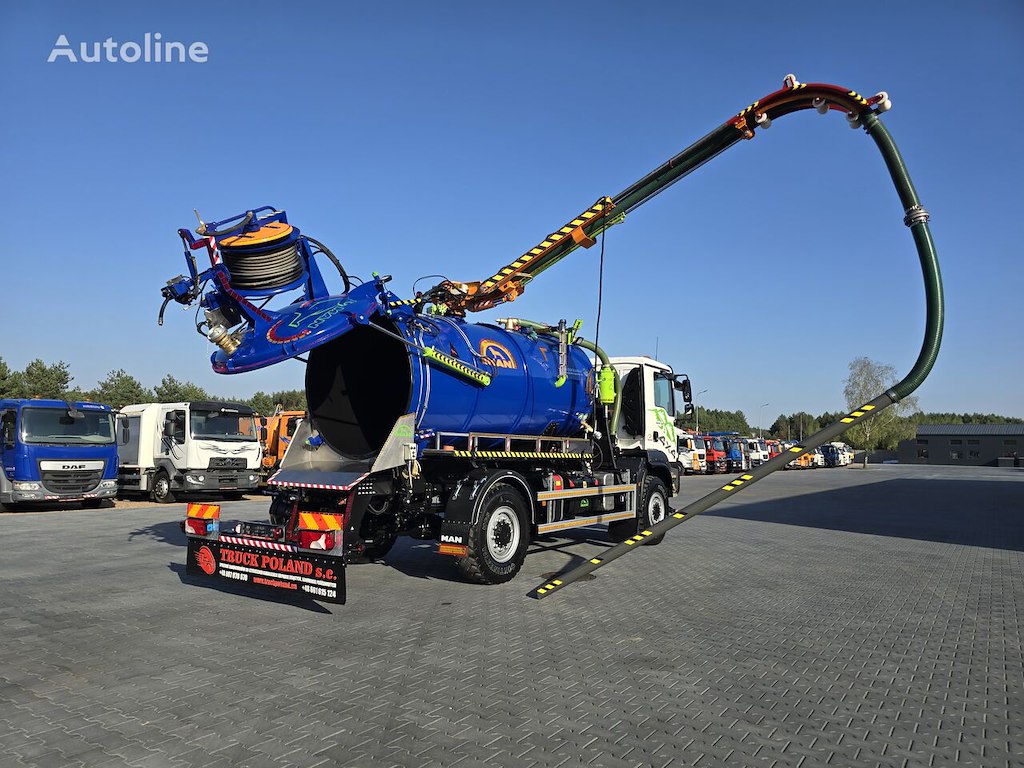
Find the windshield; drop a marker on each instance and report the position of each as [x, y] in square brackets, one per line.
[698, 442]
[55, 425]
[716, 445]
[223, 425]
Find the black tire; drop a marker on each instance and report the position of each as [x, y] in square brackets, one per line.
[499, 538]
[653, 508]
[383, 541]
[281, 507]
[378, 530]
[161, 491]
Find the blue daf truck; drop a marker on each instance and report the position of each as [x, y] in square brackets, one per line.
[56, 451]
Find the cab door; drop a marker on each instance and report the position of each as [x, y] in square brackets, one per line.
[660, 429]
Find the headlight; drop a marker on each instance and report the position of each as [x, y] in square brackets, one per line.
[195, 479]
[25, 485]
[252, 478]
[108, 484]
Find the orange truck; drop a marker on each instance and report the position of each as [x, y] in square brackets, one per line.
[275, 433]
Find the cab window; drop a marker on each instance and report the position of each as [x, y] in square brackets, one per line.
[7, 425]
[663, 393]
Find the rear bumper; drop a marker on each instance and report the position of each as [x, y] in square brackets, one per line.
[282, 568]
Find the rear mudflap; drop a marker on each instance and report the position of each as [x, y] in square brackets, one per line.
[280, 567]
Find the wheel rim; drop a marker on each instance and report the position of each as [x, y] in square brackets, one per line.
[161, 487]
[655, 509]
[503, 534]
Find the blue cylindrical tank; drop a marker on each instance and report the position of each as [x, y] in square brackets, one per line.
[360, 383]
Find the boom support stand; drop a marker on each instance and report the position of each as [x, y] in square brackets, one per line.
[915, 217]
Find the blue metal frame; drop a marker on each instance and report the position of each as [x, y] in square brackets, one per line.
[270, 335]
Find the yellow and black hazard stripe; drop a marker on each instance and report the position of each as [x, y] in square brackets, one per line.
[748, 109]
[633, 540]
[733, 484]
[549, 586]
[315, 521]
[203, 511]
[864, 410]
[600, 208]
[402, 303]
[447, 361]
[519, 455]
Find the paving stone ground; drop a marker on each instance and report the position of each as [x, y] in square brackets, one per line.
[843, 617]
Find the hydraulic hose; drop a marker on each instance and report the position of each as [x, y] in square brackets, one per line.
[334, 259]
[916, 218]
[605, 362]
[588, 345]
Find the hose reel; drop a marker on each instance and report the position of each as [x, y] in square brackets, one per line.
[266, 259]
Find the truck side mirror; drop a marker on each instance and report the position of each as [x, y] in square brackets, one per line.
[168, 428]
[688, 410]
[683, 385]
[126, 432]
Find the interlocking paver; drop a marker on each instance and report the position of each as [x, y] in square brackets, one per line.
[839, 618]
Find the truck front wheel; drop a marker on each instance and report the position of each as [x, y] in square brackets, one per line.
[653, 508]
[499, 538]
[161, 491]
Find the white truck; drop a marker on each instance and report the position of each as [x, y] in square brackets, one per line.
[195, 448]
[691, 452]
[757, 450]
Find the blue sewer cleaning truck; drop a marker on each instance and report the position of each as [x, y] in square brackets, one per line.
[477, 436]
[56, 451]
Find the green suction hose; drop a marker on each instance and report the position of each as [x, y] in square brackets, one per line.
[916, 218]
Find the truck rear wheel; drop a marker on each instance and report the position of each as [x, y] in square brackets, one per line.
[161, 490]
[499, 538]
[378, 531]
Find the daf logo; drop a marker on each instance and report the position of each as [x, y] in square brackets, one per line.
[72, 466]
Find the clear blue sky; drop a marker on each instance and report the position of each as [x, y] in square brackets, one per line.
[416, 138]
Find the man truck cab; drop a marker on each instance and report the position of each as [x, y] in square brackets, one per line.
[647, 422]
[195, 448]
[53, 450]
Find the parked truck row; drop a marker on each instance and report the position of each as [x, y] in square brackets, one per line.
[728, 452]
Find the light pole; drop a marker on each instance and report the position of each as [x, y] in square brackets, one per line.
[696, 409]
[760, 420]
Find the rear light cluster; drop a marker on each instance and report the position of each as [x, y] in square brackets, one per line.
[202, 519]
[196, 527]
[316, 540]
[318, 530]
